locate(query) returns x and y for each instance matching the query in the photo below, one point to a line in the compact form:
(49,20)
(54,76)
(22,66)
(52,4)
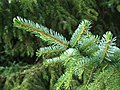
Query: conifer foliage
(84,53)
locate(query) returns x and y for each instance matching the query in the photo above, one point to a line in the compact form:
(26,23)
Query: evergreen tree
(84,55)
(84,61)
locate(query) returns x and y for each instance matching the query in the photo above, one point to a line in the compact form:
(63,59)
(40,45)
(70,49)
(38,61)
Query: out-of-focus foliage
(28,77)
(19,77)
(114,5)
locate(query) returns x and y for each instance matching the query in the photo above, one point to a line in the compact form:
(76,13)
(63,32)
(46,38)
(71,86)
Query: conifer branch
(65,56)
(107,46)
(106,50)
(82,28)
(50,50)
(50,36)
(85,50)
(88,45)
